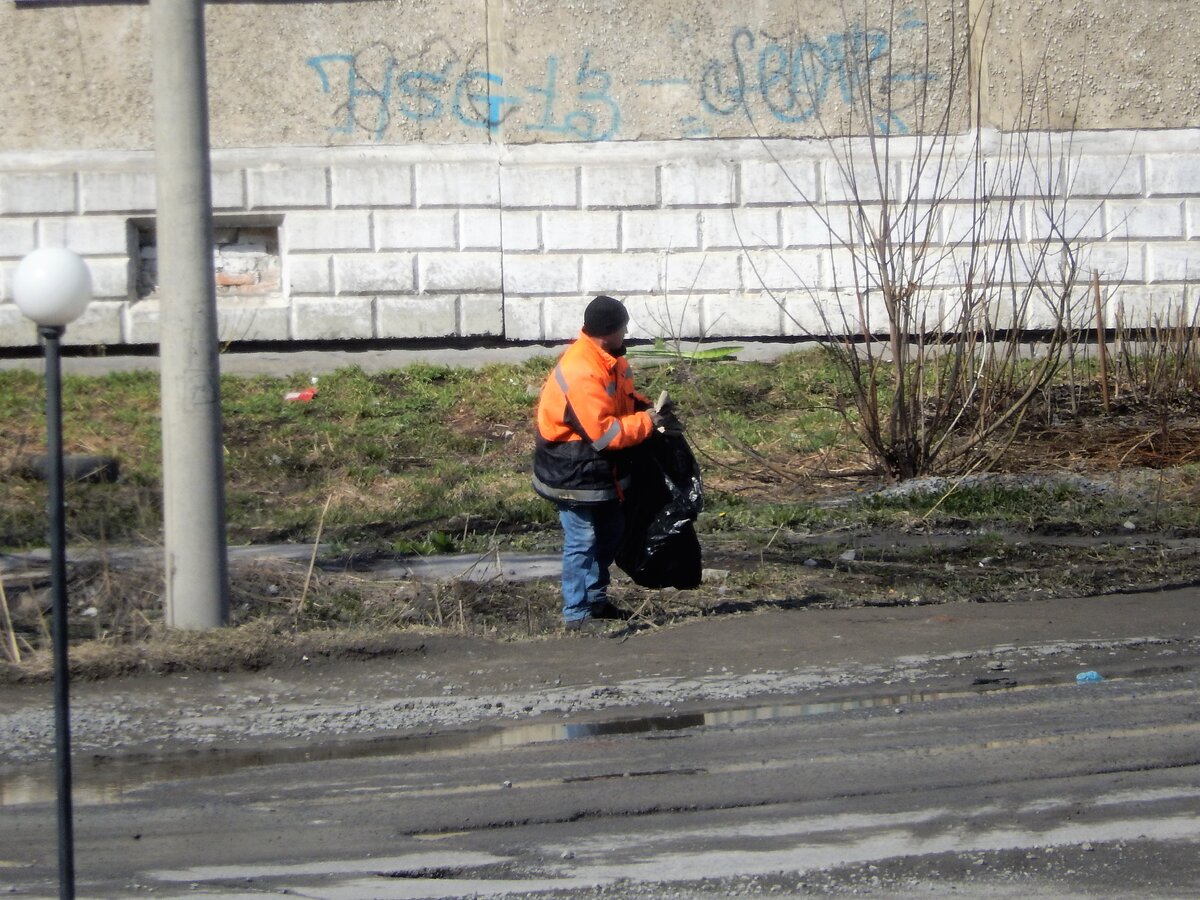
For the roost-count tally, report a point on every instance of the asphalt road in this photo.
(925, 751)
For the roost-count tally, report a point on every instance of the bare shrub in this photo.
(938, 292)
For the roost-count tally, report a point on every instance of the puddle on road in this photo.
(108, 780)
(661, 863)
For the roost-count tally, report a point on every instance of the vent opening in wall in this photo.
(245, 258)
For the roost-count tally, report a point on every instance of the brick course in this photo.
(711, 237)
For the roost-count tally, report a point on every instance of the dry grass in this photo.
(348, 612)
(280, 612)
(779, 472)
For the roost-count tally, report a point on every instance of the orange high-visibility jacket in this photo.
(588, 413)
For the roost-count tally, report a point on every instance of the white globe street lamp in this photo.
(53, 287)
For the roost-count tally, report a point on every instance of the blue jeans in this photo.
(591, 536)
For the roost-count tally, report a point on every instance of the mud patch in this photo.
(290, 608)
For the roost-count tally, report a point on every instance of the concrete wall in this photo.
(77, 75)
(459, 71)
(1099, 64)
(481, 168)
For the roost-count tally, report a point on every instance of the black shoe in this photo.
(587, 625)
(608, 610)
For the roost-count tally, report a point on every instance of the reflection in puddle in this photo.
(106, 780)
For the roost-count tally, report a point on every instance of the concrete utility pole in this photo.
(197, 567)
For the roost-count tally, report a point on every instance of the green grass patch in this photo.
(391, 458)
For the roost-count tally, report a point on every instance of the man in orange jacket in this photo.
(588, 415)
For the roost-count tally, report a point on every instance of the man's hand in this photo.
(665, 421)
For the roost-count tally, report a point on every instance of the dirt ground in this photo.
(358, 603)
(431, 680)
(337, 603)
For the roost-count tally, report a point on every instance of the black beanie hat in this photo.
(603, 316)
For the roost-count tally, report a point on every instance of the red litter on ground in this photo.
(303, 396)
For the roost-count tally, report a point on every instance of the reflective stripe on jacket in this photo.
(588, 413)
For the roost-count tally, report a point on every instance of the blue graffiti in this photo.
(795, 82)
(599, 116)
(584, 108)
(419, 91)
(477, 105)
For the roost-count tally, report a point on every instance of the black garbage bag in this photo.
(664, 499)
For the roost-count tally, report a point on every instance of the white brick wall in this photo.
(1117, 263)
(1173, 263)
(417, 229)
(730, 229)
(457, 184)
(1145, 219)
(333, 318)
(1173, 176)
(480, 314)
(620, 186)
(702, 272)
(575, 230)
(372, 185)
(480, 229)
(739, 314)
(310, 273)
(244, 319)
(373, 273)
(15, 329)
(17, 237)
(519, 231)
(86, 235)
(141, 322)
(697, 183)
(808, 313)
(1077, 217)
(1108, 176)
(328, 231)
(109, 192)
(539, 186)
(663, 229)
(663, 316)
(699, 237)
(1192, 214)
(557, 274)
(781, 270)
(770, 183)
(842, 183)
(419, 317)
(99, 324)
(238, 319)
(804, 226)
(23, 192)
(622, 273)
(458, 272)
(228, 190)
(522, 318)
(562, 317)
(289, 187)
(111, 278)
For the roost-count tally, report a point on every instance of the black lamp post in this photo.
(53, 286)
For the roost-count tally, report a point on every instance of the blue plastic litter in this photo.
(1089, 677)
